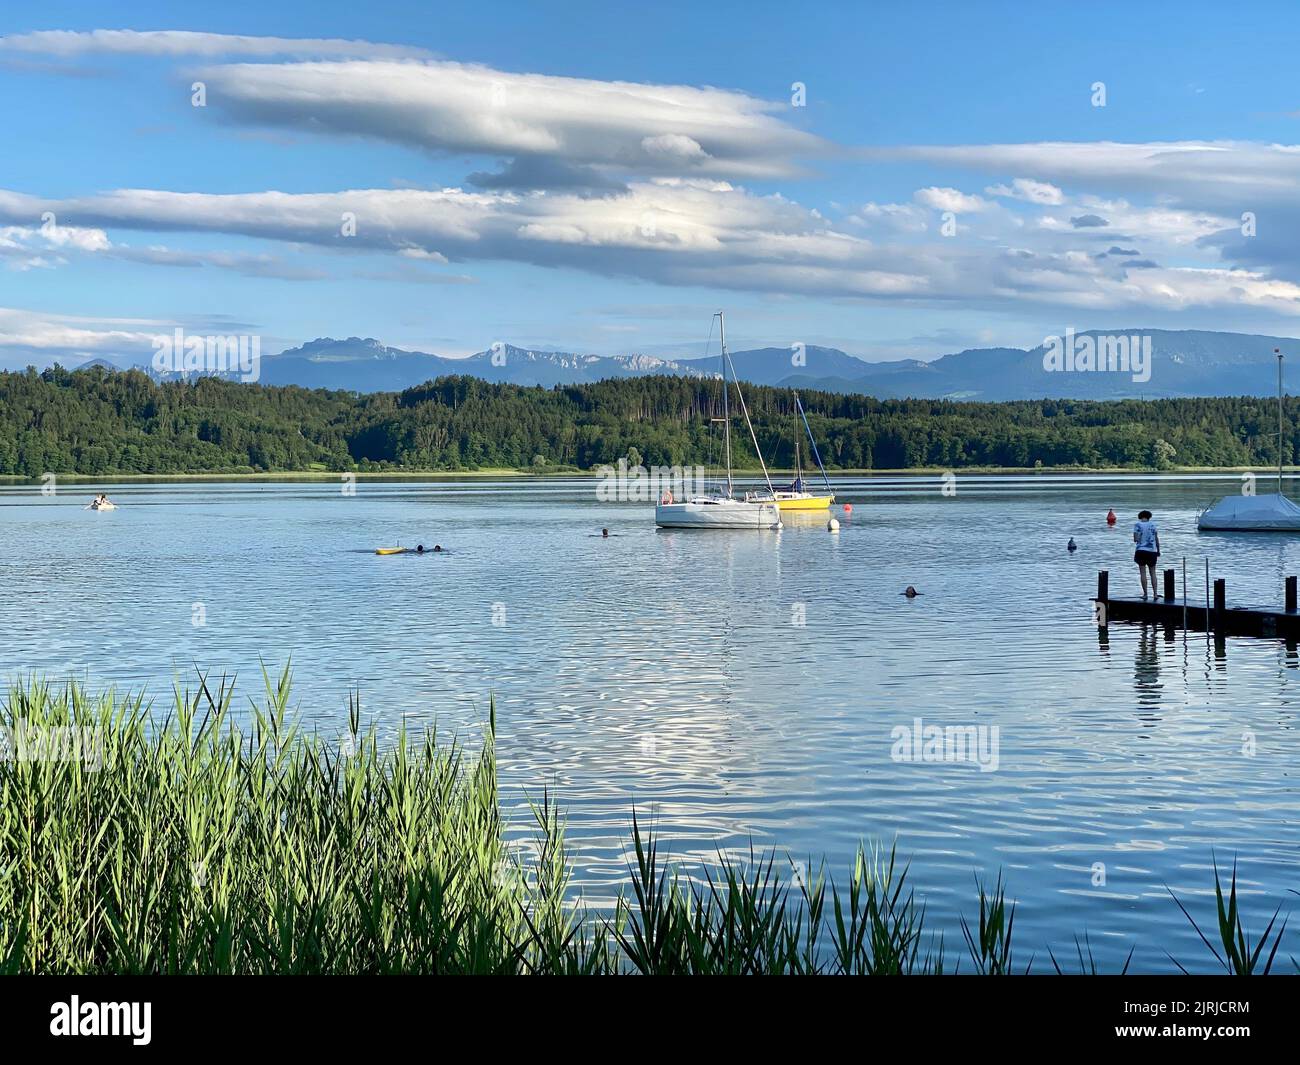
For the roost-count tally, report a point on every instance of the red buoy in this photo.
(1110, 518)
(848, 508)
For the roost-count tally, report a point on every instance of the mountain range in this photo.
(1181, 363)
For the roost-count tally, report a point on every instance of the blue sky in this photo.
(601, 177)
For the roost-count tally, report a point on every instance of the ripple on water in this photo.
(737, 690)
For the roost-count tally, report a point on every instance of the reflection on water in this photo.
(738, 686)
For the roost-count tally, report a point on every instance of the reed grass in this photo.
(204, 841)
(204, 847)
(1239, 957)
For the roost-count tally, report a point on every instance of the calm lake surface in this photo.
(739, 686)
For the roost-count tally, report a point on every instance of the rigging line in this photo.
(757, 450)
(812, 441)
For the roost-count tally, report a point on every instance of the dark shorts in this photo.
(1146, 558)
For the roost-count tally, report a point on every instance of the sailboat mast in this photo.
(726, 410)
(812, 442)
(1278, 351)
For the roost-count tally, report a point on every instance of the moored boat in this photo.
(717, 512)
(722, 510)
(795, 496)
(1256, 513)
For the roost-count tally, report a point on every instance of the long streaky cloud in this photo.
(702, 233)
(1210, 172)
(464, 108)
(190, 43)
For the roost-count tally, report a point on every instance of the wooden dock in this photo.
(1173, 612)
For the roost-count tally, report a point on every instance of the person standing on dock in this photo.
(1147, 554)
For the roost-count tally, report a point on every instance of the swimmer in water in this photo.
(604, 533)
(910, 592)
(1072, 546)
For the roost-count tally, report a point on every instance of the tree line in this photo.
(98, 421)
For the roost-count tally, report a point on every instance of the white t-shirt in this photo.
(1145, 531)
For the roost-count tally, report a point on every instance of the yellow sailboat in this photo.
(795, 496)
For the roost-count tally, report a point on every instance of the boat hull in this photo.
(726, 514)
(805, 501)
(1263, 513)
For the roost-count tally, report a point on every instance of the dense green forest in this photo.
(100, 422)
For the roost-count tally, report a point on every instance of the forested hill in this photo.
(97, 421)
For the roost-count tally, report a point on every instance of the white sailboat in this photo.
(1272, 512)
(721, 509)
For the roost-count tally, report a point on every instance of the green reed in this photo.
(206, 841)
(203, 846)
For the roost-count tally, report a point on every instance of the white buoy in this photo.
(833, 525)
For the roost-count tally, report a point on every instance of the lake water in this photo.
(739, 686)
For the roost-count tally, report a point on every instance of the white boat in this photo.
(1272, 512)
(717, 512)
(722, 510)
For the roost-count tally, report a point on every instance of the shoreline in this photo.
(424, 475)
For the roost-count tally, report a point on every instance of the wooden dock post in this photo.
(1184, 593)
(1214, 618)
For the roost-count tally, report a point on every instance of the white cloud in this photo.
(715, 234)
(1205, 172)
(26, 331)
(189, 43)
(1039, 192)
(458, 107)
(944, 199)
(896, 217)
(41, 247)
(674, 145)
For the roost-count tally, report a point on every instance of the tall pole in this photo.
(1278, 353)
(726, 409)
